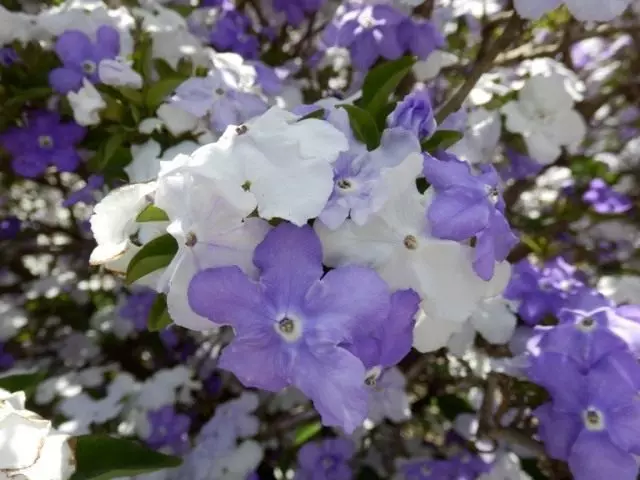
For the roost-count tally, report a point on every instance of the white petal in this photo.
(460, 341)
(22, 435)
(56, 460)
(430, 334)
(494, 321)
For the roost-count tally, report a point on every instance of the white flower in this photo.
(113, 221)
(210, 231)
(156, 18)
(505, 467)
(583, 10)
(545, 117)
(490, 84)
(394, 242)
(236, 73)
(430, 68)
(86, 104)
(622, 289)
(176, 120)
(388, 398)
(173, 45)
(164, 387)
(117, 73)
(285, 162)
(431, 334)
(29, 448)
(146, 159)
(16, 26)
(480, 137)
(13, 319)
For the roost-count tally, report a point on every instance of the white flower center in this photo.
(190, 239)
(345, 184)
(241, 129)
(45, 141)
(593, 419)
(366, 20)
(372, 376)
(289, 328)
(586, 324)
(89, 67)
(410, 242)
(492, 194)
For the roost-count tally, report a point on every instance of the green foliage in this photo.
(307, 432)
(159, 315)
(153, 256)
(152, 214)
(441, 140)
(26, 382)
(363, 126)
(100, 457)
(452, 405)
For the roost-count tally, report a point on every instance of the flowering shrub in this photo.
(323, 240)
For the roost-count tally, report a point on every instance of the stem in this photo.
(482, 65)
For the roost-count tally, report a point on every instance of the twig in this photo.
(483, 64)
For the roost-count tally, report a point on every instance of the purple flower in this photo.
(368, 32)
(6, 359)
(9, 227)
(594, 419)
(8, 56)
(420, 37)
(296, 10)
(518, 166)
(169, 338)
(80, 57)
(359, 190)
(542, 291)
(41, 142)
(137, 307)
(86, 194)
(326, 460)
(169, 430)
(392, 339)
(291, 324)
(215, 96)
(466, 205)
(415, 113)
(426, 469)
(232, 32)
(604, 199)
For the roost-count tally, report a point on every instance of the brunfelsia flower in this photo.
(594, 418)
(604, 199)
(415, 113)
(43, 140)
(81, 57)
(325, 460)
(290, 326)
(465, 205)
(296, 11)
(169, 430)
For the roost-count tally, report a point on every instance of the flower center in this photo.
(593, 419)
(366, 21)
(587, 324)
(425, 470)
(345, 184)
(372, 376)
(492, 194)
(45, 141)
(241, 129)
(289, 328)
(410, 242)
(327, 463)
(89, 67)
(190, 239)
(219, 91)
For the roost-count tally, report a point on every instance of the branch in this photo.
(482, 65)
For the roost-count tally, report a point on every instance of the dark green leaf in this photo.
(36, 93)
(441, 140)
(160, 90)
(530, 466)
(100, 457)
(363, 126)
(132, 95)
(320, 113)
(451, 406)
(152, 214)
(306, 432)
(382, 81)
(159, 316)
(107, 152)
(153, 256)
(163, 68)
(185, 67)
(26, 382)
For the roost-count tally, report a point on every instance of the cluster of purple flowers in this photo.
(371, 32)
(588, 364)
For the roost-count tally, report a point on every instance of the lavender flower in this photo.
(41, 142)
(232, 33)
(296, 10)
(466, 205)
(87, 193)
(9, 227)
(80, 57)
(603, 199)
(290, 326)
(169, 430)
(518, 166)
(137, 307)
(326, 460)
(415, 113)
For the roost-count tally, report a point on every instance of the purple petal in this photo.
(614, 380)
(290, 259)
(456, 215)
(557, 430)
(73, 47)
(445, 174)
(29, 165)
(108, 39)
(225, 295)
(66, 160)
(65, 80)
(364, 51)
(258, 360)
(334, 380)
(348, 301)
(561, 376)
(397, 332)
(594, 457)
(389, 45)
(623, 426)
(484, 256)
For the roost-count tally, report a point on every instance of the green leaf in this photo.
(451, 406)
(26, 382)
(106, 153)
(36, 93)
(315, 114)
(185, 67)
(441, 140)
(160, 90)
(131, 94)
(101, 457)
(159, 315)
(152, 214)
(530, 465)
(363, 126)
(307, 432)
(382, 81)
(163, 68)
(153, 256)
